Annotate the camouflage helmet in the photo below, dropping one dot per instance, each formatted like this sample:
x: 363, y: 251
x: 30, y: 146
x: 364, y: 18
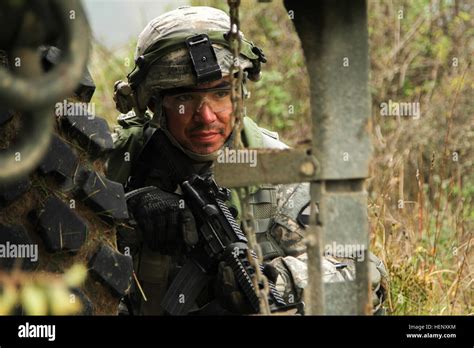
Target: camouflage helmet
x: 186, y: 47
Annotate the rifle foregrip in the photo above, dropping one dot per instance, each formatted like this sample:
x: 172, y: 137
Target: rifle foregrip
x: 236, y: 258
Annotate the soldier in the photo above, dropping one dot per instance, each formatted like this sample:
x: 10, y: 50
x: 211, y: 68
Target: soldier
x: 188, y: 101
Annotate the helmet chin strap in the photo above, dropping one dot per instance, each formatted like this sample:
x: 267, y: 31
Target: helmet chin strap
x: 193, y: 155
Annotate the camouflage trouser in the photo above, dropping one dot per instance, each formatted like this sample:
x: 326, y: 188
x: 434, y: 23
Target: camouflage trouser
x: 294, y: 276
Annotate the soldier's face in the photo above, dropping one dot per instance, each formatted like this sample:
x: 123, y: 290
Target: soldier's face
x: 200, y: 121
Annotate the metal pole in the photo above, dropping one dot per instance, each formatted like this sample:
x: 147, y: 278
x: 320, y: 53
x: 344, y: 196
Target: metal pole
x: 335, y: 43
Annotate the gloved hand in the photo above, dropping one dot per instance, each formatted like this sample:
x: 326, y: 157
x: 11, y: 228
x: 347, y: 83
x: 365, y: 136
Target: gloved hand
x: 229, y: 293
x: 162, y: 218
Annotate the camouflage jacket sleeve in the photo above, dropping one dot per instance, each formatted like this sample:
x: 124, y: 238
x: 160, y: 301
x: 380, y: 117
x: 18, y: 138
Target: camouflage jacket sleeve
x: 288, y: 231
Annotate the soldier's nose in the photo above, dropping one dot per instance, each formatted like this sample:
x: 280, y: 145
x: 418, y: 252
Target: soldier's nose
x: 205, y: 114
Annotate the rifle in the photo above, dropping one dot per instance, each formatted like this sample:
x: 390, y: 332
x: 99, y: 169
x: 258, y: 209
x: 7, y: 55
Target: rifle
x: 220, y: 239
x: 219, y: 235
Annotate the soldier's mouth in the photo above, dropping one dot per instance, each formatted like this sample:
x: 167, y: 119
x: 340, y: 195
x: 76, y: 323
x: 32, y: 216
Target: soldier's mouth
x: 205, y: 136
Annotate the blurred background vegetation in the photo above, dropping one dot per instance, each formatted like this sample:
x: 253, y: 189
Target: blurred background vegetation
x: 421, y: 188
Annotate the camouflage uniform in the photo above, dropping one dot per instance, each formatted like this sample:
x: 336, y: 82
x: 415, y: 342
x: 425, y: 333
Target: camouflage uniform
x: 279, y: 211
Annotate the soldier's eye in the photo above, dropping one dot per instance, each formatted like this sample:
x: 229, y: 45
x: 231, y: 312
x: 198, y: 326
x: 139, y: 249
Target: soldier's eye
x: 221, y: 94
x: 184, y: 97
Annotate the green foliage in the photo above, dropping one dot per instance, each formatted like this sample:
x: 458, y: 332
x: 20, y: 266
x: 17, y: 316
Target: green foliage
x: 274, y: 99
x: 41, y: 293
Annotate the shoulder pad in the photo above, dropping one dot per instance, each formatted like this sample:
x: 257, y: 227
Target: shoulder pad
x: 258, y: 137
x: 271, y: 141
x: 274, y: 135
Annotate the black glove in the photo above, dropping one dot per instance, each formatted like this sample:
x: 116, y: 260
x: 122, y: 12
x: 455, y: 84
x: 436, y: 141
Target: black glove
x: 162, y: 218
x: 229, y: 293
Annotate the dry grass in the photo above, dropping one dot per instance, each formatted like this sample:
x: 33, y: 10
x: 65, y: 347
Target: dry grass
x: 421, y: 188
